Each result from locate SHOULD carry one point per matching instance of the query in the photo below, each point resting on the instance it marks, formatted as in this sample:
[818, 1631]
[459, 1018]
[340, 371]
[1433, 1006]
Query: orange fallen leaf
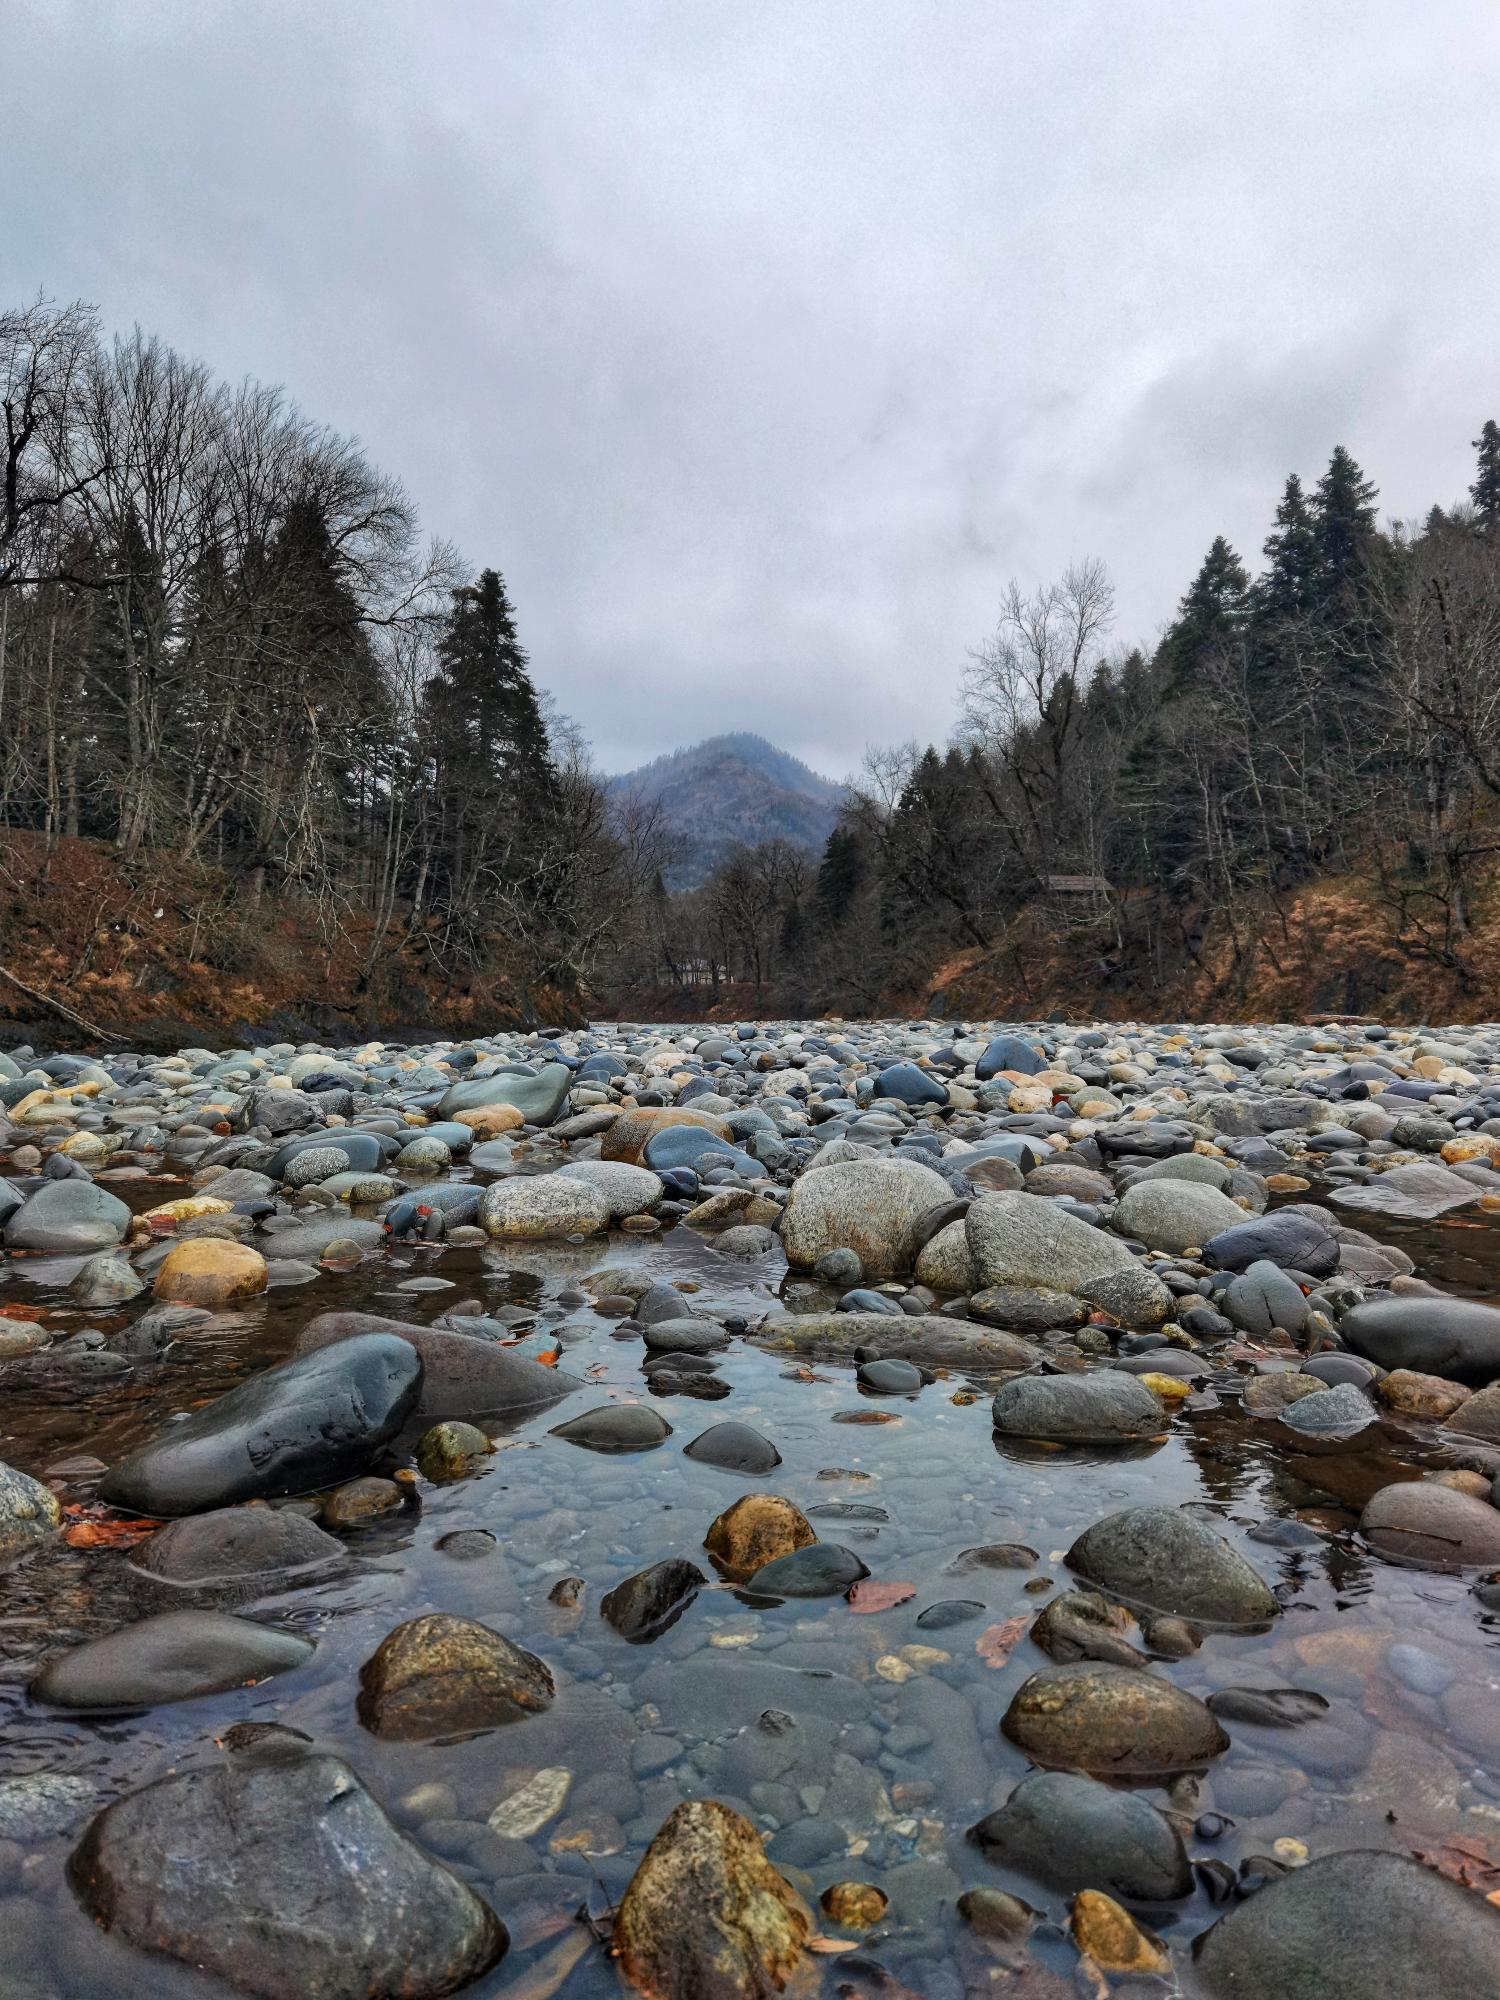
[996, 1643]
[550, 1358]
[868, 1595]
[108, 1534]
[33, 1315]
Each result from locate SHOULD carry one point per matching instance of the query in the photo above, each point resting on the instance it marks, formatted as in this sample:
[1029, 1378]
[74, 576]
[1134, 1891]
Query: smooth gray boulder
[1354, 1926]
[1073, 1833]
[277, 1872]
[873, 1207]
[1165, 1560]
[1174, 1215]
[1024, 1239]
[68, 1218]
[176, 1656]
[538, 1098]
[1104, 1407]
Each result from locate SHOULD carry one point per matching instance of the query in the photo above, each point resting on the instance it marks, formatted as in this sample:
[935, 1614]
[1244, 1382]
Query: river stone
[538, 1098]
[362, 1152]
[931, 1339]
[44, 1803]
[1352, 1926]
[821, 1569]
[1426, 1526]
[626, 1189]
[1339, 1412]
[1195, 1167]
[872, 1207]
[1023, 1239]
[445, 1676]
[1073, 1833]
[463, 1374]
[106, 1279]
[890, 1378]
[706, 1915]
[943, 1262]
[1027, 1308]
[306, 1424]
[1264, 1296]
[616, 1427]
[236, 1545]
[1418, 1193]
[734, 1448]
[909, 1083]
[1287, 1237]
[72, 1217]
[1451, 1337]
[1165, 1560]
[1478, 1416]
[1136, 1297]
[307, 1238]
[1009, 1052]
[277, 1872]
[1268, 1708]
[175, 1656]
[685, 1336]
[542, 1206]
[1104, 1408]
[652, 1600]
[628, 1133]
[29, 1514]
[1174, 1215]
[754, 1532]
[451, 1451]
[1112, 1722]
[209, 1271]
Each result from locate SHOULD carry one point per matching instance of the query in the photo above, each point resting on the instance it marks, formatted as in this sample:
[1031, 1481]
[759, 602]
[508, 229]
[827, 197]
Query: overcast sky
[759, 345]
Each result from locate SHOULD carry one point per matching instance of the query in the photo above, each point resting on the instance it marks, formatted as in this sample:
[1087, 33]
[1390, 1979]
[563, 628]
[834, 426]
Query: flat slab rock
[928, 1337]
[1416, 1193]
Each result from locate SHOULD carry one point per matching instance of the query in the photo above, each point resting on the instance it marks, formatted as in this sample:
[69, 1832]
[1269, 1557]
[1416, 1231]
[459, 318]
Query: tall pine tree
[494, 781]
[1485, 492]
[1289, 587]
[1211, 614]
[1345, 523]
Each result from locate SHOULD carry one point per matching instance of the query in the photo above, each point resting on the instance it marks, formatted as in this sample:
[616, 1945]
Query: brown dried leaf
[996, 1643]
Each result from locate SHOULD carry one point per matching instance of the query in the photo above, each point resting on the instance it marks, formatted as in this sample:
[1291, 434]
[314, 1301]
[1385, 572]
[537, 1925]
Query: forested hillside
[1305, 768]
[225, 645]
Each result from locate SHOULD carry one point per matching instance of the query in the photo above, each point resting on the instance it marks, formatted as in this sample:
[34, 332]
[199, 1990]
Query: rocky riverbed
[860, 1509]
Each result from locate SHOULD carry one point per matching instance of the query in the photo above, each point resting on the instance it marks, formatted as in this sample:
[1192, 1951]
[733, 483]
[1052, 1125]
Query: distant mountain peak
[729, 791]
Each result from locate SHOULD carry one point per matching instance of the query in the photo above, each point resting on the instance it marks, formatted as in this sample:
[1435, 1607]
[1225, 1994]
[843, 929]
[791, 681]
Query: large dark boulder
[277, 1872]
[1354, 1926]
[1073, 1833]
[309, 1423]
[1453, 1337]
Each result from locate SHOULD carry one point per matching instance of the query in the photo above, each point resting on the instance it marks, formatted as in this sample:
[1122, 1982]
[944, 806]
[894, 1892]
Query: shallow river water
[898, 1746]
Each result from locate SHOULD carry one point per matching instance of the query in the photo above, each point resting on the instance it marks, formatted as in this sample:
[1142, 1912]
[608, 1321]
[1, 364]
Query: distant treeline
[1337, 713]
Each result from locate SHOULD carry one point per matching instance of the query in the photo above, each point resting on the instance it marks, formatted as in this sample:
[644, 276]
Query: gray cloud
[759, 346]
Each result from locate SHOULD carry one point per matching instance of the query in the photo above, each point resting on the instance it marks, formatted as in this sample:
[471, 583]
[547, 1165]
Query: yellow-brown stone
[754, 1531]
[210, 1271]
